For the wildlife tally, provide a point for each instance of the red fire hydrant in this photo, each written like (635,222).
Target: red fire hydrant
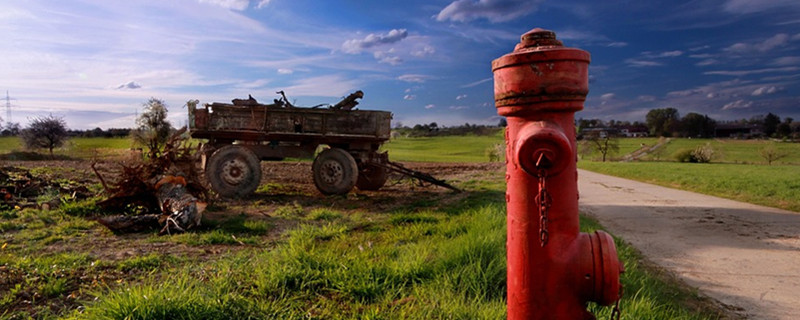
(553,269)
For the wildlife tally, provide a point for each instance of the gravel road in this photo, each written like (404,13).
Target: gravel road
(747,257)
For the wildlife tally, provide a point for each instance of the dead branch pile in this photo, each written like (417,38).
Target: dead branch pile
(162,191)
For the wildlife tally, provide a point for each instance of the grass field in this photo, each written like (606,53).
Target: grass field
(426,260)
(774,186)
(443,149)
(727,150)
(430,259)
(78,148)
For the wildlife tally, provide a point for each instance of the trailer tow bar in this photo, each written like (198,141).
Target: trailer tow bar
(399,168)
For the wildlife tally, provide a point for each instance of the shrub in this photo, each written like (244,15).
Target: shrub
(496,152)
(684,155)
(700,154)
(703,154)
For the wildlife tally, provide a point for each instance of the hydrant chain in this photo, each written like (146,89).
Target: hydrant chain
(544,201)
(616,313)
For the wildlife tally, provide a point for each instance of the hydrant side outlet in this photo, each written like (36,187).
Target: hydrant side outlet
(553,269)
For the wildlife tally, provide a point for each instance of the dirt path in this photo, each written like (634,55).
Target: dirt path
(747,257)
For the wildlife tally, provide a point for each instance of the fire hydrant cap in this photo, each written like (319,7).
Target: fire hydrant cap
(536,38)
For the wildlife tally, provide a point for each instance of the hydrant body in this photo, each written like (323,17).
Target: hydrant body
(553,269)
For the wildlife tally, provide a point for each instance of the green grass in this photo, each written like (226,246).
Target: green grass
(79,148)
(727,150)
(421,260)
(442,149)
(774,186)
(428,265)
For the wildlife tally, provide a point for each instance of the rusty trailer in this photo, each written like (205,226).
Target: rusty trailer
(245,132)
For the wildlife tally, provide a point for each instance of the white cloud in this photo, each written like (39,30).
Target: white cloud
(701,56)
(642,63)
(424,51)
(706,62)
(285,71)
(787,61)
(774,42)
(458,107)
(753,6)
(372,40)
(387,57)
(409,97)
(617,44)
(461,96)
(770,43)
(430,106)
(607,96)
(738,104)
(670,54)
(646,98)
(229,4)
(322,86)
(470,85)
(262,3)
(415,78)
(492,10)
(765,90)
(738,73)
(129,85)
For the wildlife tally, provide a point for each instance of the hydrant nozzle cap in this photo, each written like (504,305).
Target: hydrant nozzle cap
(538,37)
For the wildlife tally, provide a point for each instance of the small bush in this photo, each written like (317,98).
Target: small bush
(496,152)
(703,154)
(700,154)
(684,155)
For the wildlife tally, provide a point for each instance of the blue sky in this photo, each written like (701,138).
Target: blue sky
(95,62)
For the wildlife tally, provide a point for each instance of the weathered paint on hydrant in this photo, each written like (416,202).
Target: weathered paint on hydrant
(553,269)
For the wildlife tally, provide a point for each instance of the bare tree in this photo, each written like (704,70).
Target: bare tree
(45,132)
(771,154)
(153,128)
(602,143)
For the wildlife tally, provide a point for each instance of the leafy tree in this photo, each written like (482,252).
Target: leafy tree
(784,129)
(662,122)
(45,132)
(11,129)
(697,125)
(153,128)
(502,123)
(771,122)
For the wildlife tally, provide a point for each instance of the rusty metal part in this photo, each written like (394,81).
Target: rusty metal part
(399,168)
(553,268)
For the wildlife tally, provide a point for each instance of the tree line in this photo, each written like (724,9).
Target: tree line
(433,129)
(50,132)
(667,122)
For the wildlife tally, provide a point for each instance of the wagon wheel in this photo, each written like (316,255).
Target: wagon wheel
(335,171)
(371,177)
(233,171)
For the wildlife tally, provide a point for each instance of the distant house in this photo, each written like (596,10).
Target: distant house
(737,130)
(623,131)
(633,131)
(601,132)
